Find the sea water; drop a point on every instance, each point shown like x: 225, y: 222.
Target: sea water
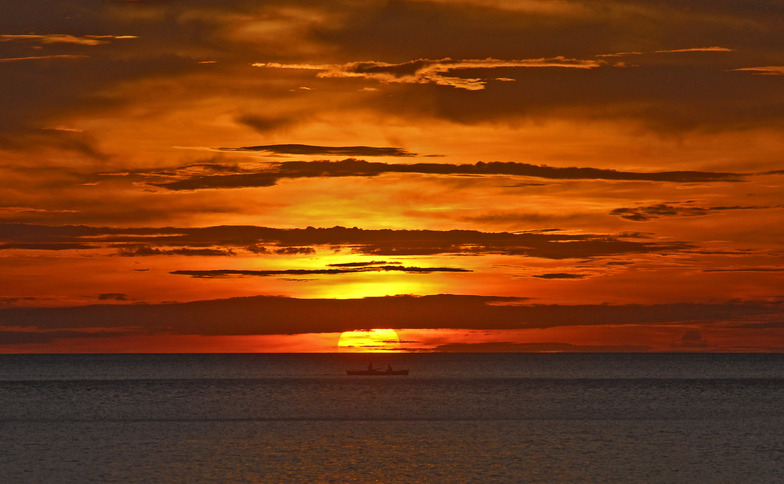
x: 455, y: 418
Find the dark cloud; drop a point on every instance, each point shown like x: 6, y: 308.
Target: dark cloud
x: 46, y: 89
x: 295, y: 251
x: 296, y: 149
x: 560, y: 275
x: 672, y: 85
x: 113, y: 296
x: 746, y: 269
x: 149, y: 251
x: 86, y: 49
x: 508, y: 347
x: 551, y: 245
x: 220, y: 273
x: 30, y: 138
x: 46, y: 246
x: 408, y: 29
x: 37, y: 337
x: 7, y: 301
x: 282, y: 315
x: 264, y: 124
x: 523, y: 218
x: 677, y: 80
x: 661, y: 97
x: 767, y: 325
x: 214, y: 166
x: 256, y: 180
x: 363, y: 264
x: 687, y: 209
x: 545, y: 247
x: 355, y: 167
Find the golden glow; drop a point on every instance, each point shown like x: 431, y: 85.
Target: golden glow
x: 204, y: 196
x: 359, y: 287
x: 369, y: 341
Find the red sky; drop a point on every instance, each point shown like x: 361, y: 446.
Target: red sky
x: 478, y: 175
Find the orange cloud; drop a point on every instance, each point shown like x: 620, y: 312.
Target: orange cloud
x: 42, y: 57
x: 764, y: 70
x: 154, y: 173
x: 430, y: 71
x: 90, y: 40
x: 695, y: 49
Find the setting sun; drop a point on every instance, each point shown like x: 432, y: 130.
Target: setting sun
x: 370, y: 341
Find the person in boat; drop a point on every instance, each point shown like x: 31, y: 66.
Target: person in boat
x: 389, y: 368
x: 370, y: 367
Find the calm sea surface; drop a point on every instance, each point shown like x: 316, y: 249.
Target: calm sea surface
x: 455, y: 418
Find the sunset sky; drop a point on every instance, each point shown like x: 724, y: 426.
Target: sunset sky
x: 479, y: 175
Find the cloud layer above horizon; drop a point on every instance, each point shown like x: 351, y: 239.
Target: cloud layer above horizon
x: 565, y: 154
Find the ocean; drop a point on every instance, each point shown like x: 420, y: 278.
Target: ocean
x: 454, y: 418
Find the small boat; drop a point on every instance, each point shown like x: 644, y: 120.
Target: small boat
x: 377, y: 372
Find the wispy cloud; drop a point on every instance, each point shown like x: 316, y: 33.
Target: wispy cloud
x: 32, y: 210
x: 42, y: 57
x: 745, y: 269
x: 668, y: 51
x: 436, y: 71
x: 687, y: 209
x: 431, y: 71
x: 63, y: 38
x: 764, y: 70
x: 46, y: 246
x: 695, y: 49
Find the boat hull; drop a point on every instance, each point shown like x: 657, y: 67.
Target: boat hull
x: 376, y: 372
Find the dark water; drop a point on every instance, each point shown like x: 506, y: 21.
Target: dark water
x: 455, y: 418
